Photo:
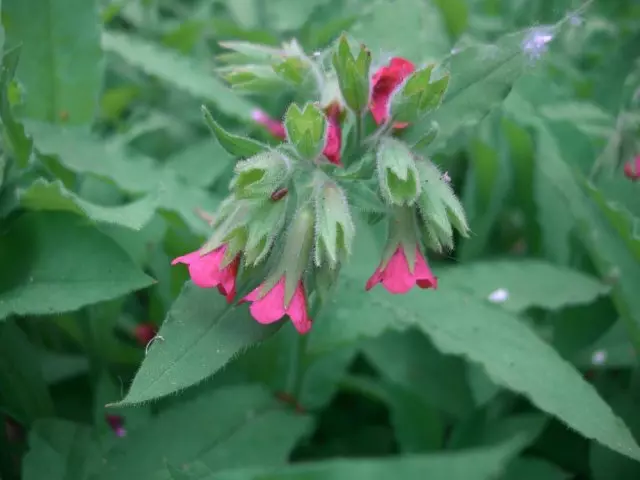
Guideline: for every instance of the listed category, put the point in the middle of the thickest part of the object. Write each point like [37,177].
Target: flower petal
[203,269]
[396,277]
[297,311]
[270,308]
[423,274]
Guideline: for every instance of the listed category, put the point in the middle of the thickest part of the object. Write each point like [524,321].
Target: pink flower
[632,169]
[205,270]
[396,276]
[275,127]
[116,422]
[384,82]
[144,333]
[270,307]
[334,135]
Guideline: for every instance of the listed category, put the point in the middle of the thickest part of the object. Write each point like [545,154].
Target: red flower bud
[385,81]
[632,169]
[144,333]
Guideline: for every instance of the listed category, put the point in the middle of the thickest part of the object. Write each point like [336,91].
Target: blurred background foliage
[509,370]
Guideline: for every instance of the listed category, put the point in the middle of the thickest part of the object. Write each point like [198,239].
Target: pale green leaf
[200,334]
[476,464]
[64,264]
[44,195]
[457,323]
[178,71]
[232,427]
[82,153]
[61,59]
[527,283]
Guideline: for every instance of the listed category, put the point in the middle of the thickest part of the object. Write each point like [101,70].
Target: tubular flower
[274,127]
[398,277]
[385,80]
[632,169]
[270,307]
[334,135]
[208,271]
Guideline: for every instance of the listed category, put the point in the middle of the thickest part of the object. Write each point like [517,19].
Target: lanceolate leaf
[43,195]
[64,264]
[526,283]
[176,70]
[475,464]
[500,342]
[60,61]
[199,336]
[234,144]
[83,153]
[230,428]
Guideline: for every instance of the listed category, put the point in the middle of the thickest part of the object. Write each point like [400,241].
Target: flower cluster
[288,217]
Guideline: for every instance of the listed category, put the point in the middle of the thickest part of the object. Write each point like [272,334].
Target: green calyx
[418,95]
[264,226]
[306,129]
[440,210]
[261,175]
[353,75]
[397,172]
[334,226]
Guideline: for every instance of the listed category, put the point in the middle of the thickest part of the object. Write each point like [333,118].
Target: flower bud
[334,226]
[306,129]
[252,78]
[295,256]
[353,75]
[440,209]
[397,172]
[263,227]
[418,96]
[259,176]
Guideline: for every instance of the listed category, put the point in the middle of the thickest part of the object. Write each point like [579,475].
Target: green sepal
[261,175]
[265,225]
[418,95]
[306,130]
[397,173]
[353,75]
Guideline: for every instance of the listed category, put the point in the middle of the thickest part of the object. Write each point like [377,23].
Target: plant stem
[296,366]
[359,129]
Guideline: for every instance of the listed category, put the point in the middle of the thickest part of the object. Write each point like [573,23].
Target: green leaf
[199,336]
[531,468]
[461,325]
[201,164]
[234,144]
[476,464]
[528,283]
[231,427]
[455,14]
[24,391]
[61,59]
[18,142]
[61,450]
[44,195]
[82,153]
[408,359]
[481,77]
[412,28]
[63,264]
[176,70]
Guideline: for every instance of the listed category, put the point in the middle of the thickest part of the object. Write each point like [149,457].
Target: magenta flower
[116,422]
[334,142]
[632,169]
[144,333]
[274,127]
[397,277]
[206,271]
[270,307]
[385,80]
